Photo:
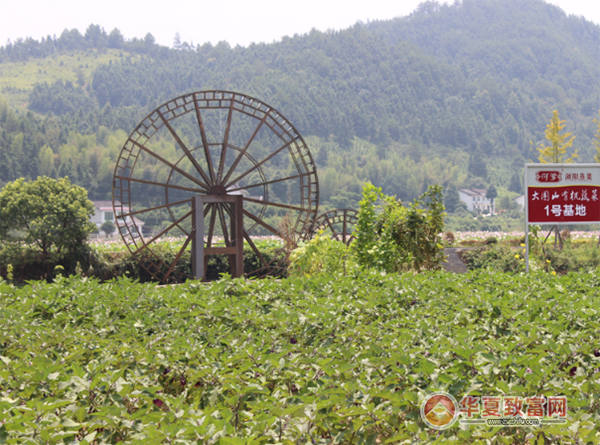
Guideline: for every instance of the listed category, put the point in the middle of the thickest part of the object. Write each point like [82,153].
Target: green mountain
[448,94]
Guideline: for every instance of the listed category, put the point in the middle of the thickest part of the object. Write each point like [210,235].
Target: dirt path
[454,263]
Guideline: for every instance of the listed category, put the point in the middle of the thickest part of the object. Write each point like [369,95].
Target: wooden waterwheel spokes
[211,143]
[339,223]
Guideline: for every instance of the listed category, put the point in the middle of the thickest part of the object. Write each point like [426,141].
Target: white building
[521,201]
[104,212]
[475,200]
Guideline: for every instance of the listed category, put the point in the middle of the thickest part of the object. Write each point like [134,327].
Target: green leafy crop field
[320,360]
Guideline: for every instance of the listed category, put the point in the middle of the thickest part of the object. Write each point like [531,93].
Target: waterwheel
[211,143]
[338,223]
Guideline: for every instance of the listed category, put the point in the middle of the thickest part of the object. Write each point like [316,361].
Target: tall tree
[115,39]
[177,41]
[451,198]
[557,150]
[477,166]
[491,194]
[515,183]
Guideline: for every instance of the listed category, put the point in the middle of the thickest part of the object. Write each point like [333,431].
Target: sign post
[560,194]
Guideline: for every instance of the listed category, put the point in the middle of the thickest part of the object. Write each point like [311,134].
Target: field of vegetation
[328,359]
[341,347]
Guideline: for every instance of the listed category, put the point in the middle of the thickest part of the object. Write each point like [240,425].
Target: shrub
[491,240]
[573,257]
[29,265]
[392,237]
[321,255]
[108,265]
[496,257]
[448,238]
[126,264]
[108,227]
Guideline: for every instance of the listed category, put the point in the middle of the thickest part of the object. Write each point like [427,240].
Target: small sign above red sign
[548,176]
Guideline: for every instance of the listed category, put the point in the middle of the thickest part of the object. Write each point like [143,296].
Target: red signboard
[563,193]
[563,204]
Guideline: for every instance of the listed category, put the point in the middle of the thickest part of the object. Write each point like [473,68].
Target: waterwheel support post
[238,218]
[198,241]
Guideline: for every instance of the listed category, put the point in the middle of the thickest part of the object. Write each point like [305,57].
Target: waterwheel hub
[218,190]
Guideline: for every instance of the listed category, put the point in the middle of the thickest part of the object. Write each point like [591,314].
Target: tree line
[95,37]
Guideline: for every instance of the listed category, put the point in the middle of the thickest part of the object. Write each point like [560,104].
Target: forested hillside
[450,94]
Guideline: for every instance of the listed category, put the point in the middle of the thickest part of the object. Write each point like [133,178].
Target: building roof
[474,192]
[104,204]
[107,205]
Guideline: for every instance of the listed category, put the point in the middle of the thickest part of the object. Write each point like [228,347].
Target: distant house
[104,212]
[521,201]
[475,200]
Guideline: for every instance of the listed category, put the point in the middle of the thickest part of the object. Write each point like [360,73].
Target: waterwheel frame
[205,161]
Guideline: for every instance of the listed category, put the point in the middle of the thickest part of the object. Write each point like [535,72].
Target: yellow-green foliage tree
[559,143]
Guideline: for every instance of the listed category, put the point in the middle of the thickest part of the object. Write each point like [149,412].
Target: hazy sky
[236,21]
